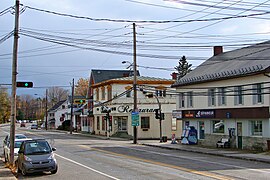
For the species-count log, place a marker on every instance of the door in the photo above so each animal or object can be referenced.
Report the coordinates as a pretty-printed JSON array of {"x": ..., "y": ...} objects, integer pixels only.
[
  {"x": 122, "y": 123},
  {"x": 201, "y": 129},
  {"x": 239, "y": 135}
]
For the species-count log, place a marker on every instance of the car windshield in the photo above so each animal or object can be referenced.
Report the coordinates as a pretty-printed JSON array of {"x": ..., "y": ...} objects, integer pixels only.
[
  {"x": 37, "y": 147},
  {"x": 20, "y": 136},
  {"x": 17, "y": 144}
]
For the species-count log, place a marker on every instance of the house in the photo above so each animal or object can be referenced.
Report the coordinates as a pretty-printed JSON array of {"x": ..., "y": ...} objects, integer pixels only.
[
  {"x": 227, "y": 96},
  {"x": 57, "y": 114},
  {"x": 116, "y": 94}
]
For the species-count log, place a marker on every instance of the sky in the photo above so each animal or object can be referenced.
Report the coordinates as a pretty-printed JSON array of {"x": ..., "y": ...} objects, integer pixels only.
[{"x": 62, "y": 40}]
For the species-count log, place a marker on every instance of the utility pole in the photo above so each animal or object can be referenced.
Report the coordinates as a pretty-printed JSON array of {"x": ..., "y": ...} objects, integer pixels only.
[
  {"x": 71, "y": 109},
  {"x": 46, "y": 110},
  {"x": 135, "y": 106},
  {"x": 14, "y": 79}
]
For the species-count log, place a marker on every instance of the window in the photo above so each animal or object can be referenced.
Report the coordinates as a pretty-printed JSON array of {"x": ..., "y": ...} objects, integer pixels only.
[
  {"x": 257, "y": 93},
  {"x": 103, "y": 93},
  {"x": 97, "y": 94},
  {"x": 190, "y": 99},
  {"x": 211, "y": 97},
  {"x": 98, "y": 123},
  {"x": 182, "y": 100},
  {"x": 109, "y": 90},
  {"x": 128, "y": 89},
  {"x": 145, "y": 122},
  {"x": 218, "y": 126},
  {"x": 256, "y": 128},
  {"x": 222, "y": 96},
  {"x": 239, "y": 95},
  {"x": 174, "y": 126},
  {"x": 161, "y": 91}
]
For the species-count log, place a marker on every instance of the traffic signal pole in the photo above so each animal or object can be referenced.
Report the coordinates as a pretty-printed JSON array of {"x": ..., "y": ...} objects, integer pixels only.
[
  {"x": 14, "y": 79},
  {"x": 71, "y": 109}
]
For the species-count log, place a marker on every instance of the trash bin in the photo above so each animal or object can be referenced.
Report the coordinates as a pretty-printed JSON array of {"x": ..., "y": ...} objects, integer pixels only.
[
  {"x": 268, "y": 145},
  {"x": 164, "y": 138}
]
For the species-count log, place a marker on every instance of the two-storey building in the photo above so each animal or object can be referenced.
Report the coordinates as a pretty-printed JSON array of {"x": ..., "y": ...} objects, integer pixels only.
[{"x": 228, "y": 96}]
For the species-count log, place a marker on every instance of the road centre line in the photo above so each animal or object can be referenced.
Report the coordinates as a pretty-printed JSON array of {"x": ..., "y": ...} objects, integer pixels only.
[
  {"x": 220, "y": 177},
  {"x": 191, "y": 158},
  {"x": 77, "y": 163}
]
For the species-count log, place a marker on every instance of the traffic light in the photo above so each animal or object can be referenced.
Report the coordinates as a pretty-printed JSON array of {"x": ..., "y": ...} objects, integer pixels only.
[
  {"x": 24, "y": 84},
  {"x": 157, "y": 114},
  {"x": 79, "y": 101},
  {"x": 162, "y": 116}
]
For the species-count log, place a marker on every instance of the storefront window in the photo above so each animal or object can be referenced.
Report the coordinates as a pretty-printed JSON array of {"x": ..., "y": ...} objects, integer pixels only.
[
  {"x": 218, "y": 126},
  {"x": 256, "y": 128},
  {"x": 145, "y": 122}
]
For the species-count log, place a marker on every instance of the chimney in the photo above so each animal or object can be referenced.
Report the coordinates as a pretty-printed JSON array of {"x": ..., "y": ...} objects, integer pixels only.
[
  {"x": 174, "y": 75},
  {"x": 218, "y": 50}
]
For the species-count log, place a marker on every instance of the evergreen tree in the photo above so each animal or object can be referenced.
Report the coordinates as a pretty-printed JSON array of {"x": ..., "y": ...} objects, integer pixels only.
[{"x": 183, "y": 67}]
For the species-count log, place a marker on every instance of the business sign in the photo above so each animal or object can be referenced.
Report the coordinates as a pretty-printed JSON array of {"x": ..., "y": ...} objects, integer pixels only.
[
  {"x": 205, "y": 114},
  {"x": 135, "y": 119},
  {"x": 177, "y": 114},
  {"x": 199, "y": 114}
]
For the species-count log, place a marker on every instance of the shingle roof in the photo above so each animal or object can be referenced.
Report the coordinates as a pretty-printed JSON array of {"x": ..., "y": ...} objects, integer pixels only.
[
  {"x": 57, "y": 105},
  {"x": 240, "y": 62},
  {"x": 103, "y": 75},
  {"x": 143, "y": 78}
]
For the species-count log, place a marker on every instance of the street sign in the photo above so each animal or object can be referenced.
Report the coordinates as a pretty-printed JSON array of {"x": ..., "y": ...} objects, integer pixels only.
[{"x": 135, "y": 119}]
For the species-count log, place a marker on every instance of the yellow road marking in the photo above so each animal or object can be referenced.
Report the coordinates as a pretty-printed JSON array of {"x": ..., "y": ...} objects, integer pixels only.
[{"x": 207, "y": 174}]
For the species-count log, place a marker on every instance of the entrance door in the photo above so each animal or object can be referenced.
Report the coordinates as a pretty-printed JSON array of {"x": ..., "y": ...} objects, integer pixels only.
[
  {"x": 122, "y": 123},
  {"x": 239, "y": 135},
  {"x": 201, "y": 130}
]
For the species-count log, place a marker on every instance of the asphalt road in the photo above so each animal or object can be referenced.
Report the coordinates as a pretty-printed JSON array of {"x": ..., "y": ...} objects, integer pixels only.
[{"x": 82, "y": 157}]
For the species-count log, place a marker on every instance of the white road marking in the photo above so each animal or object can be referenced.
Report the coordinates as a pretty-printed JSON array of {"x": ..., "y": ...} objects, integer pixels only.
[{"x": 87, "y": 167}]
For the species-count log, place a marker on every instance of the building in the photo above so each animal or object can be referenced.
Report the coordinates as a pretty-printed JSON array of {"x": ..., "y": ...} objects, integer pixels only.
[
  {"x": 116, "y": 94},
  {"x": 228, "y": 96},
  {"x": 57, "y": 114}
]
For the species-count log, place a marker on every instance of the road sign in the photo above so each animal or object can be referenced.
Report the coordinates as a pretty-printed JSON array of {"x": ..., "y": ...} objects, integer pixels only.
[{"x": 135, "y": 119}]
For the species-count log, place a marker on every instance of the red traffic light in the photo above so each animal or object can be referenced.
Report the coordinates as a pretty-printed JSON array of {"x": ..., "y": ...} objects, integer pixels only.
[{"x": 24, "y": 84}]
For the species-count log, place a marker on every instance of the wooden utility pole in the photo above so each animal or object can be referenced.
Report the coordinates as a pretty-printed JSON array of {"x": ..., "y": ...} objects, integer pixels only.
[
  {"x": 135, "y": 106},
  {"x": 71, "y": 109},
  {"x": 14, "y": 79},
  {"x": 46, "y": 110}
]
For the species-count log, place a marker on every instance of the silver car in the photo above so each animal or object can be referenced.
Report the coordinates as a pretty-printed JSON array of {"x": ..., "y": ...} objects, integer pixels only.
[{"x": 36, "y": 156}]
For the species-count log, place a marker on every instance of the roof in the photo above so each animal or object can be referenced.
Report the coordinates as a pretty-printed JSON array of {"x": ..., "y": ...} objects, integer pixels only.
[
  {"x": 99, "y": 75},
  {"x": 249, "y": 60},
  {"x": 140, "y": 80},
  {"x": 57, "y": 105}
]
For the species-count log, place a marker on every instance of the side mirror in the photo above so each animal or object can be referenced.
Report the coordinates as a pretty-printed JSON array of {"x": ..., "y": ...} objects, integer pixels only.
[{"x": 53, "y": 149}]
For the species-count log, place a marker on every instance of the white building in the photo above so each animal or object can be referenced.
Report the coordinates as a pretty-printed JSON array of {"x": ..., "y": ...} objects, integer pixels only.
[
  {"x": 228, "y": 96},
  {"x": 117, "y": 95}
]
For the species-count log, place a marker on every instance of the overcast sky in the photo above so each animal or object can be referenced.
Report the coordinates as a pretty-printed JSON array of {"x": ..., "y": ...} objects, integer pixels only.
[{"x": 55, "y": 47}]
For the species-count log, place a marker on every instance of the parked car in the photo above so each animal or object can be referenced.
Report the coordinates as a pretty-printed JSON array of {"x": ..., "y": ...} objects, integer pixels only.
[
  {"x": 6, "y": 142},
  {"x": 34, "y": 126},
  {"x": 17, "y": 136},
  {"x": 36, "y": 156},
  {"x": 17, "y": 144},
  {"x": 22, "y": 124}
]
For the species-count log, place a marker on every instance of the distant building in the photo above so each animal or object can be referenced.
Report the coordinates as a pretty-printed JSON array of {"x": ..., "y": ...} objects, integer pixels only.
[{"x": 228, "y": 96}]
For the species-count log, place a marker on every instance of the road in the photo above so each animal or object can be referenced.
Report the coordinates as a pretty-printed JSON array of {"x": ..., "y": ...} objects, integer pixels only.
[{"x": 81, "y": 157}]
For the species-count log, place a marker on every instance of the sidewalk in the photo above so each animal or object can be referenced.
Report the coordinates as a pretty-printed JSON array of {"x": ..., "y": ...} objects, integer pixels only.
[{"x": 5, "y": 172}]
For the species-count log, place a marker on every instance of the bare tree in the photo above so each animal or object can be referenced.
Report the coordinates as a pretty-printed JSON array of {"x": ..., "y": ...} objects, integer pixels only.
[{"x": 56, "y": 94}]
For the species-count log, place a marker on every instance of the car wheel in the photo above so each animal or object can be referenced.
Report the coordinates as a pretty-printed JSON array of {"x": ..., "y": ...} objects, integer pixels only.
[
  {"x": 23, "y": 171},
  {"x": 55, "y": 171}
]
